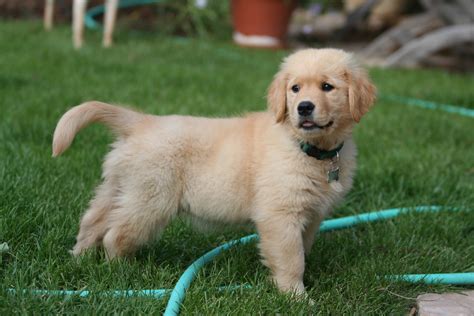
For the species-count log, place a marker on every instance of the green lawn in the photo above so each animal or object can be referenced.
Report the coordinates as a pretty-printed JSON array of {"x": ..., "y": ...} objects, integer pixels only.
[{"x": 407, "y": 156}]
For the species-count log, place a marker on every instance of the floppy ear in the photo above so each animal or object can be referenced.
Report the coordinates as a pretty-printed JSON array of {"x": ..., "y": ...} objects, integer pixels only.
[
  {"x": 276, "y": 97},
  {"x": 361, "y": 93}
]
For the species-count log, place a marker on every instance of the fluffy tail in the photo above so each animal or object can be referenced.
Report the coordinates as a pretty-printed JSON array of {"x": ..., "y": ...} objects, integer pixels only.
[{"x": 120, "y": 120}]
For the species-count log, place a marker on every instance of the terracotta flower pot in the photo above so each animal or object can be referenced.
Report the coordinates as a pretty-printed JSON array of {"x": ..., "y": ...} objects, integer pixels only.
[{"x": 261, "y": 23}]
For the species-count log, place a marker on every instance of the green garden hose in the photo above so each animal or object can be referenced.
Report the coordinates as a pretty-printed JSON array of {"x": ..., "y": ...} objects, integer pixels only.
[
  {"x": 91, "y": 23},
  {"x": 179, "y": 292}
]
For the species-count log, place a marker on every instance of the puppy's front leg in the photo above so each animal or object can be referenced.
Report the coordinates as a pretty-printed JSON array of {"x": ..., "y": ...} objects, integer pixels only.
[{"x": 282, "y": 249}]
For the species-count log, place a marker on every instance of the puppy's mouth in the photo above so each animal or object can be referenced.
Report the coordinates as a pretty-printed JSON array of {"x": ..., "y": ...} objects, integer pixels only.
[{"x": 310, "y": 125}]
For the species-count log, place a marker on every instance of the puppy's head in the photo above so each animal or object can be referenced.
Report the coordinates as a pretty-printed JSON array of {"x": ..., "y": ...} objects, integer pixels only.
[{"x": 319, "y": 92}]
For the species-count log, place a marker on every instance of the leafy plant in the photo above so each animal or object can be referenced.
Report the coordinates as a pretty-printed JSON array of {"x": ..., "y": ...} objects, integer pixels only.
[{"x": 194, "y": 18}]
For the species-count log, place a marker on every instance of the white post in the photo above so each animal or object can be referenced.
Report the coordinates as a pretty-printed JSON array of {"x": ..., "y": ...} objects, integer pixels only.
[
  {"x": 78, "y": 12},
  {"x": 48, "y": 15},
  {"x": 111, "y": 7}
]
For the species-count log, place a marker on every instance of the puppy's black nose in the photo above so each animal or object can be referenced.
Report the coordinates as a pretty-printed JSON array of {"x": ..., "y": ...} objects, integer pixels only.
[{"x": 305, "y": 108}]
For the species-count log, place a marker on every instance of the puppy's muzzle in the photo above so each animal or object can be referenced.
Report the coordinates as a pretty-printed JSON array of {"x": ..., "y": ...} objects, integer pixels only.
[{"x": 305, "y": 108}]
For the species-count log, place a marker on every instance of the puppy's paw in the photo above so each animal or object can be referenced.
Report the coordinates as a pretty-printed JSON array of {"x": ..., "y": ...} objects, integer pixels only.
[
  {"x": 80, "y": 250},
  {"x": 303, "y": 297},
  {"x": 296, "y": 292},
  {"x": 75, "y": 252},
  {"x": 81, "y": 246}
]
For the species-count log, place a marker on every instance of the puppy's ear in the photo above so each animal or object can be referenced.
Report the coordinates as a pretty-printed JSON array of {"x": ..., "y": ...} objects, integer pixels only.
[
  {"x": 276, "y": 97},
  {"x": 361, "y": 93}
]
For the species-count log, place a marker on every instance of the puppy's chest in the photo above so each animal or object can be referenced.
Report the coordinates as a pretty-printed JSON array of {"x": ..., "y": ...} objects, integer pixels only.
[
  {"x": 325, "y": 182},
  {"x": 325, "y": 176}
]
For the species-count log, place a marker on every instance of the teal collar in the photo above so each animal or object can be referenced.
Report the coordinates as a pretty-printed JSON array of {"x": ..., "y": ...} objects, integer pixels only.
[{"x": 318, "y": 153}]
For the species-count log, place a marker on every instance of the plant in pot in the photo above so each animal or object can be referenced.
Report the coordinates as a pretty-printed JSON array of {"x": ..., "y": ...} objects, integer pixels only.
[{"x": 261, "y": 23}]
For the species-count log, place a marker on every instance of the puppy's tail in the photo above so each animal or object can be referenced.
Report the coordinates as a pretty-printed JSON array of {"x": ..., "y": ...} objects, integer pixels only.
[{"x": 120, "y": 120}]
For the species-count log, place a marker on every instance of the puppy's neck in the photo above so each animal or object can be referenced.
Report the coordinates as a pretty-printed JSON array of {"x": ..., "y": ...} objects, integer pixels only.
[{"x": 325, "y": 142}]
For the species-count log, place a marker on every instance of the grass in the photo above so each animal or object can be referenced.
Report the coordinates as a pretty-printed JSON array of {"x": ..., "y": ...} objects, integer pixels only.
[{"x": 407, "y": 156}]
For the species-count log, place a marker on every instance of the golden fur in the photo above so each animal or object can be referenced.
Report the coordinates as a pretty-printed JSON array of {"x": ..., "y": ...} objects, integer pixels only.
[{"x": 231, "y": 170}]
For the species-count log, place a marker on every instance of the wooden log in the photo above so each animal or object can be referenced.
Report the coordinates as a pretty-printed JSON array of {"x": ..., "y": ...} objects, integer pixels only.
[
  {"x": 468, "y": 7},
  {"x": 407, "y": 30},
  {"x": 386, "y": 13},
  {"x": 417, "y": 49},
  {"x": 428, "y": 5},
  {"x": 440, "y": 61},
  {"x": 454, "y": 12},
  {"x": 355, "y": 19}
]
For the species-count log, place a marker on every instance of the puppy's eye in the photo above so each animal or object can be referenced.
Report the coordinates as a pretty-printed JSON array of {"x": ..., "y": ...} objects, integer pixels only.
[
  {"x": 295, "y": 88},
  {"x": 327, "y": 87}
]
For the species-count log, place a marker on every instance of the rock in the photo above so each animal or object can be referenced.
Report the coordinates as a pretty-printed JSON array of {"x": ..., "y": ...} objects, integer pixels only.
[{"x": 446, "y": 304}]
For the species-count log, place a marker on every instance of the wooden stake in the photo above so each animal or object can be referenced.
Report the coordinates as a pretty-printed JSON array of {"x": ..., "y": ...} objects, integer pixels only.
[{"x": 48, "y": 15}]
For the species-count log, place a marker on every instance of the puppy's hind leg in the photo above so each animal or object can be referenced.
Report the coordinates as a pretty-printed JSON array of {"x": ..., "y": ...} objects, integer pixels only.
[
  {"x": 137, "y": 222},
  {"x": 94, "y": 222}
]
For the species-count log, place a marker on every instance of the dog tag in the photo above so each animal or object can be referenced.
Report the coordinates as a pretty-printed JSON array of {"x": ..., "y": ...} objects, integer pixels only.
[{"x": 333, "y": 174}]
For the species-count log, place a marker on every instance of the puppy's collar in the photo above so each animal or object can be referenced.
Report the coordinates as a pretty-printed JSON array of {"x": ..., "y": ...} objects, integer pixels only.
[{"x": 320, "y": 154}]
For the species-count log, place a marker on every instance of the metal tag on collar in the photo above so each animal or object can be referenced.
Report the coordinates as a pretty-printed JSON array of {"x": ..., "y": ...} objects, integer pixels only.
[{"x": 333, "y": 172}]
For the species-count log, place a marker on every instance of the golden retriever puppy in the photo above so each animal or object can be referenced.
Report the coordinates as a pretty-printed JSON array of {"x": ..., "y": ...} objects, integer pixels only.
[{"x": 281, "y": 170}]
